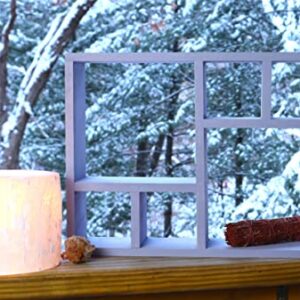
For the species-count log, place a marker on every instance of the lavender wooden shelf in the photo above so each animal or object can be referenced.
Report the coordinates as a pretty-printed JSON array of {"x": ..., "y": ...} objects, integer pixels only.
[{"x": 77, "y": 183}]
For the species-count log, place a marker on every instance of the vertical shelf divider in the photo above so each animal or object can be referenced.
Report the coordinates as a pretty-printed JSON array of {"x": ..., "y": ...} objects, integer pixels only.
[
  {"x": 69, "y": 123},
  {"x": 138, "y": 219},
  {"x": 75, "y": 146},
  {"x": 201, "y": 176}
]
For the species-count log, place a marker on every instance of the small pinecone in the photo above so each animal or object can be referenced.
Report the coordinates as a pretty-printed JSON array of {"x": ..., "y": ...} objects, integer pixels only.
[{"x": 77, "y": 249}]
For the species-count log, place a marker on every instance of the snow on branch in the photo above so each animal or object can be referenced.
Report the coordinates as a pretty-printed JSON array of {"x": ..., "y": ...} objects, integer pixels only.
[
  {"x": 8, "y": 28},
  {"x": 46, "y": 55},
  {"x": 112, "y": 40}
]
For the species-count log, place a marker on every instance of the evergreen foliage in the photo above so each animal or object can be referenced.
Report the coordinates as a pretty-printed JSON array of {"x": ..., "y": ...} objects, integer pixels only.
[{"x": 140, "y": 117}]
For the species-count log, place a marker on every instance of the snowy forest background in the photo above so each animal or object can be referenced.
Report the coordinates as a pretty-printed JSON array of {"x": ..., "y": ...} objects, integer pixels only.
[{"x": 140, "y": 117}]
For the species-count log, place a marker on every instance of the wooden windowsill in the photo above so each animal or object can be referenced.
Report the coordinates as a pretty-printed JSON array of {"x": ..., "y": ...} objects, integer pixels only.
[{"x": 123, "y": 276}]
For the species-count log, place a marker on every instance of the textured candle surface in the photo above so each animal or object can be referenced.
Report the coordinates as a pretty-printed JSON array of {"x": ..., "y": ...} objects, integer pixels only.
[{"x": 30, "y": 221}]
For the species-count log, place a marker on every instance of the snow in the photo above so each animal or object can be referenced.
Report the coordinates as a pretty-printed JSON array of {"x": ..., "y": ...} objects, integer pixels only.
[
  {"x": 216, "y": 12},
  {"x": 214, "y": 137},
  {"x": 100, "y": 7},
  {"x": 19, "y": 69},
  {"x": 181, "y": 113},
  {"x": 216, "y": 25},
  {"x": 272, "y": 198},
  {"x": 194, "y": 45},
  {"x": 291, "y": 46},
  {"x": 239, "y": 19},
  {"x": 293, "y": 132},
  {"x": 189, "y": 5},
  {"x": 153, "y": 131},
  {"x": 109, "y": 41},
  {"x": 287, "y": 25},
  {"x": 293, "y": 167},
  {"x": 264, "y": 196},
  {"x": 295, "y": 82}
]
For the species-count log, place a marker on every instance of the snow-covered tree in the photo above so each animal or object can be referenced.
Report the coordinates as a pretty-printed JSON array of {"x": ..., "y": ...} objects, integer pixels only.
[
  {"x": 140, "y": 117},
  {"x": 16, "y": 105}
]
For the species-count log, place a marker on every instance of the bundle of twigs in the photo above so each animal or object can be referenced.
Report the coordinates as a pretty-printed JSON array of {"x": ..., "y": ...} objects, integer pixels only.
[{"x": 262, "y": 232}]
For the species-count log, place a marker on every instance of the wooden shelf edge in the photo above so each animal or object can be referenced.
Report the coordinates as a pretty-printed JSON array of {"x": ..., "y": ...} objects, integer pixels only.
[{"x": 120, "y": 276}]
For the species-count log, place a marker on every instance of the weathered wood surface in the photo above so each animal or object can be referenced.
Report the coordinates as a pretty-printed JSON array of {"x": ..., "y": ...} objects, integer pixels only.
[
  {"x": 232, "y": 294},
  {"x": 123, "y": 276}
]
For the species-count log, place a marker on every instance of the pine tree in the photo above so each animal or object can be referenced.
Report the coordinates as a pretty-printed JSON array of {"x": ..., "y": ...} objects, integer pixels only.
[{"x": 140, "y": 117}]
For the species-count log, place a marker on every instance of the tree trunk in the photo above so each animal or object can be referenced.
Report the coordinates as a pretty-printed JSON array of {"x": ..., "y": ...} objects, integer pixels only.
[
  {"x": 4, "y": 101},
  {"x": 156, "y": 154},
  {"x": 239, "y": 177},
  {"x": 168, "y": 211},
  {"x": 141, "y": 168},
  {"x": 238, "y": 161},
  {"x": 11, "y": 153},
  {"x": 169, "y": 173},
  {"x": 142, "y": 160}
]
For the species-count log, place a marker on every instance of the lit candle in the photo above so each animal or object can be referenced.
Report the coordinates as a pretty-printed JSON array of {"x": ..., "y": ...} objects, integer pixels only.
[{"x": 30, "y": 221}]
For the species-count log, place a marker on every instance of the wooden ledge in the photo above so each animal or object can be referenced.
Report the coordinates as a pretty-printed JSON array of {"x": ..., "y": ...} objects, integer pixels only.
[{"x": 121, "y": 276}]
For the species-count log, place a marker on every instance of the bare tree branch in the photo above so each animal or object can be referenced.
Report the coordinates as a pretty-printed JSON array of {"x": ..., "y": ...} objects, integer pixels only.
[
  {"x": 4, "y": 44},
  {"x": 60, "y": 33}
]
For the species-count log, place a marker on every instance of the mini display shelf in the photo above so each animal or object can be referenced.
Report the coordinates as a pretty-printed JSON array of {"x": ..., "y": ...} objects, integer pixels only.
[{"x": 78, "y": 184}]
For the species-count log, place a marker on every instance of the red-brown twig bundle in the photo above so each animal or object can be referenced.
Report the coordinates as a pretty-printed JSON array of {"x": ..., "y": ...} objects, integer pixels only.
[{"x": 262, "y": 232}]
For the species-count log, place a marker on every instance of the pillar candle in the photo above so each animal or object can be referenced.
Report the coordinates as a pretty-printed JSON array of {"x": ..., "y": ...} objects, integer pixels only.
[{"x": 30, "y": 221}]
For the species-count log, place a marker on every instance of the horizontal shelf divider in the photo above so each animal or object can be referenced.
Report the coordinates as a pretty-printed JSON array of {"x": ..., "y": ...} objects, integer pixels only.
[
  {"x": 136, "y": 184},
  {"x": 181, "y": 57},
  {"x": 111, "y": 242},
  {"x": 251, "y": 123},
  {"x": 160, "y": 243},
  {"x": 185, "y": 247}
]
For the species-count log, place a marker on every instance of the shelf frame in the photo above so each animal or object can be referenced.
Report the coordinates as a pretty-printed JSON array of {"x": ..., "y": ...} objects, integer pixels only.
[{"x": 78, "y": 184}]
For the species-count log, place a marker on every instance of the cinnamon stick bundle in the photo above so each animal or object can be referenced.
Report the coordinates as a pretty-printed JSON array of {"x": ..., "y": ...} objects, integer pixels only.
[{"x": 262, "y": 232}]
